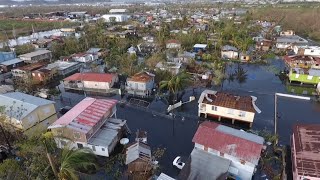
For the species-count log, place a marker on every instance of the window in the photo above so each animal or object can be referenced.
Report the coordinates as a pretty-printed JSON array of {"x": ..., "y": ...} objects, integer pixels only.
[
  {"x": 214, "y": 108},
  {"x": 93, "y": 148},
  {"x": 80, "y": 146},
  {"x": 102, "y": 149},
  {"x": 309, "y": 77},
  {"x": 76, "y": 135},
  {"x": 230, "y": 111},
  {"x": 312, "y": 51},
  {"x": 242, "y": 114}
]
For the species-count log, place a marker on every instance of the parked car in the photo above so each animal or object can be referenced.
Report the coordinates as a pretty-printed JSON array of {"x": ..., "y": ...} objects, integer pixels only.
[
  {"x": 65, "y": 109},
  {"x": 178, "y": 163}
]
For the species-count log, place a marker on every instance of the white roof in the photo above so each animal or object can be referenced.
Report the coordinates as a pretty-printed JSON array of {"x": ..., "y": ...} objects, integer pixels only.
[
  {"x": 200, "y": 45},
  {"x": 163, "y": 176},
  {"x": 118, "y": 10},
  {"x": 61, "y": 65}
]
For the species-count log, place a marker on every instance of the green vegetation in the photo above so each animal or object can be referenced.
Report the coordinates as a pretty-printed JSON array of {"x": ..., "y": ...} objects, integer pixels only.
[{"x": 302, "y": 19}]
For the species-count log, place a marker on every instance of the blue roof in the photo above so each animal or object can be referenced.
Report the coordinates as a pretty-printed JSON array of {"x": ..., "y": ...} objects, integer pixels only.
[
  {"x": 5, "y": 56},
  {"x": 12, "y": 61}
]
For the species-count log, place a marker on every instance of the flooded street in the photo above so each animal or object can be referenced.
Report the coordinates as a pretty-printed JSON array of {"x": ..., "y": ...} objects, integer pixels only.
[{"x": 175, "y": 134}]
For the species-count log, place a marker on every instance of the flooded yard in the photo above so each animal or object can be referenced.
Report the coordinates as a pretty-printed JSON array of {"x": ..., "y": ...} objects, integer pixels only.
[{"x": 175, "y": 133}]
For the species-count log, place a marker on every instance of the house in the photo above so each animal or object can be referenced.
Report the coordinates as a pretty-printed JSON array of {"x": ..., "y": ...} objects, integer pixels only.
[
  {"x": 67, "y": 32},
  {"x": 305, "y": 150},
  {"x": 140, "y": 84},
  {"x": 43, "y": 75},
  {"x": 64, "y": 68},
  {"x": 229, "y": 52},
  {"x": 97, "y": 51},
  {"x": 200, "y": 47},
  {"x": 77, "y": 15},
  {"x": 221, "y": 152},
  {"x": 264, "y": 45},
  {"x": 303, "y": 69},
  {"x": 89, "y": 124},
  {"x": 115, "y": 17},
  {"x": 173, "y": 44},
  {"x": 36, "y": 56},
  {"x": 172, "y": 67},
  {"x": 288, "y": 42},
  {"x": 307, "y": 50},
  {"x": 244, "y": 57},
  {"x": 224, "y": 105},
  {"x": 139, "y": 160},
  {"x": 287, "y": 33},
  {"x": 84, "y": 57},
  {"x": 26, "y": 71},
  {"x": 26, "y": 112},
  {"x": 96, "y": 82},
  {"x": 7, "y": 66}
]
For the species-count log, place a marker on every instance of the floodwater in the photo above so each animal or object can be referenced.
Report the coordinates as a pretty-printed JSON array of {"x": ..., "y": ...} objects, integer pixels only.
[{"x": 175, "y": 134}]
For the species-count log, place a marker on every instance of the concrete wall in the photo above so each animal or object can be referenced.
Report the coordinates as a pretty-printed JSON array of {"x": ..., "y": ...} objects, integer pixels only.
[
  {"x": 38, "y": 115},
  {"x": 226, "y": 112}
]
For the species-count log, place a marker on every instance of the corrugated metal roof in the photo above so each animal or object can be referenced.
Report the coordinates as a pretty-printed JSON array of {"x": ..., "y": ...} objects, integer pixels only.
[
  {"x": 225, "y": 140},
  {"x": 136, "y": 151},
  {"x": 12, "y": 61},
  {"x": 85, "y": 114},
  {"x": 163, "y": 176},
  {"x": 35, "y": 53},
  {"x": 306, "y": 142},
  {"x": 95, "y": 77},
  {"x": 204, "y": 166},
  {"x": 22, "y": 104}
]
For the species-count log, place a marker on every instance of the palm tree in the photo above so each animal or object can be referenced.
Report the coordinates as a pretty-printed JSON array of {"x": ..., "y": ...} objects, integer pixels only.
[
  {"x": 177, "y": 83},
  {"x": 73, "y": 161}
]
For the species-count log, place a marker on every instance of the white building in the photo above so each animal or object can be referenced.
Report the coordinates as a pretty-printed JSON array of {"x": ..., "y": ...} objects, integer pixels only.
[
  {"x": 224, "y": 105},
  {"x": 90, "y": 124},
  {"x": 172, "y": 67},
  {"x": 236, "y": 152},
  {"x": 115, "y": 17},
  {"x": 287, "y": 42},
  {"x": 118, "y": 11},
  {"x": 307, "y": 50},
  {"x": 229, "y": 52},
  {"x": 101, "y": 82},
  {"x": 84, "y": 57},
  {"x": 140, "y": 84}
]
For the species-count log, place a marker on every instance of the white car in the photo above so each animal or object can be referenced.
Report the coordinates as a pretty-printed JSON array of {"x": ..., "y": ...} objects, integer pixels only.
[{"x": 178, "y": 163}]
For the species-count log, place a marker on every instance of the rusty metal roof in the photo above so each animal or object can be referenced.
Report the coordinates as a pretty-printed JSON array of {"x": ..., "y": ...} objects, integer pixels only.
[
  {"x": 306, "y": 149},
  {"x": 232, "y": 101},
  {"x": 239, "y": 144},
  {"x": 141, "y": 77}
]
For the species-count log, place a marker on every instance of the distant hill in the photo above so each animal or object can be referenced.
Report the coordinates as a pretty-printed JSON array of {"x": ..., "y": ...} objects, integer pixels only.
[{"x": 43, "y": 2}]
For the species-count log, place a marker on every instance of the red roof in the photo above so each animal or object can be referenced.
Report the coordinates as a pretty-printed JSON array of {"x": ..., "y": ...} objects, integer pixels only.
[
  {"x": 96, "y": 77},
  {"x": 173, "y": 41},
  {"x": 86, "y": 114},
  {"x": 239, "y": 144}
]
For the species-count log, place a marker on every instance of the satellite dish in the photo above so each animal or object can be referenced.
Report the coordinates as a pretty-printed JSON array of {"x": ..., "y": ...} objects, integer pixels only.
[{"x": 124, "y": 141}]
